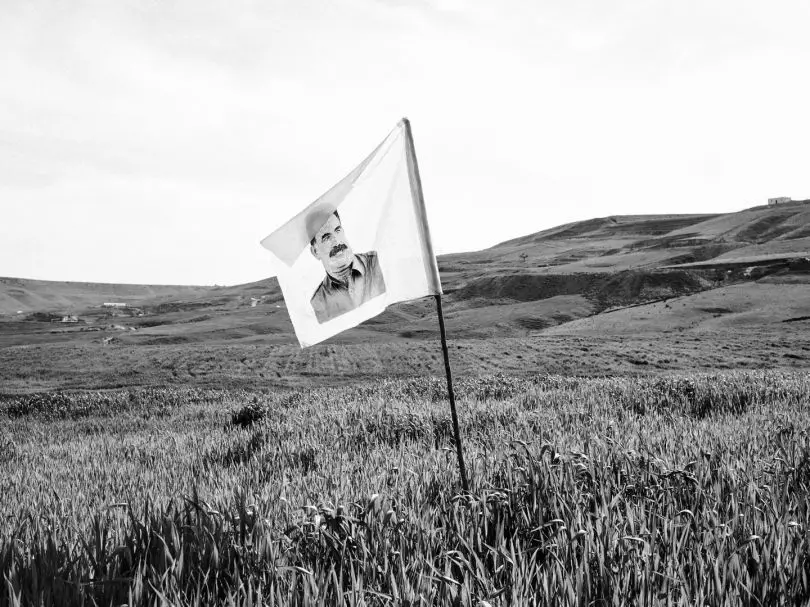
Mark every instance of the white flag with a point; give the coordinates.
(360, 247)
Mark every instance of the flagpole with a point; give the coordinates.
(451, 395)
(416, 189)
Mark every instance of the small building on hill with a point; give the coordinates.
(778, 200)
(65, 318)
(112, 304)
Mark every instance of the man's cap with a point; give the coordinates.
(317, 219)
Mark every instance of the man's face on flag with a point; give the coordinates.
(331, 247)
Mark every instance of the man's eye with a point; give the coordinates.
(338, 229)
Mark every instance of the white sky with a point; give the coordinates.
(157, 141)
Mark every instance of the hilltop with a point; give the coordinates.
(639, 277)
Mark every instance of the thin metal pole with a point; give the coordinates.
(432, 271)
(452, 396)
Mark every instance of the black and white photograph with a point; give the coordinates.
(404, 302)
(351, 279)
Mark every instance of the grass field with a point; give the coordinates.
(592, 347)
(687, 489)
(183, 450)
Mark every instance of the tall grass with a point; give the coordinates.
(678, 490)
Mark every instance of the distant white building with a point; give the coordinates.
(779, 200)
(114, 305)
(70, 318)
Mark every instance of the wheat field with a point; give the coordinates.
(688, 489)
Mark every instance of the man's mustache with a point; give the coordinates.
(337, 249)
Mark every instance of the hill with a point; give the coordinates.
(643, 278)
(23, 295)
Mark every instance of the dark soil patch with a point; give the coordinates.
(532, 323)
(765, 228)
(717, 310)
(526, 287)
(630, 287)
(182, 306)
(152, 322)
(196, 319)
(167, 340)
(605, 289)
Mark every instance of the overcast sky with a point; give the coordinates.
(158, 141)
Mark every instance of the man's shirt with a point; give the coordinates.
(334, 297)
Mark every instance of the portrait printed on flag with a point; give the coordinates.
(360, 247)
(351, 279)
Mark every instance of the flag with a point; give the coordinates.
(360, 247)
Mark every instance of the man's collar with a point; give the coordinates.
(357, 266)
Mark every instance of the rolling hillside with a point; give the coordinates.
(24, 295)
(651, 278)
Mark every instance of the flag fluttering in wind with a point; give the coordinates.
(360, 247)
